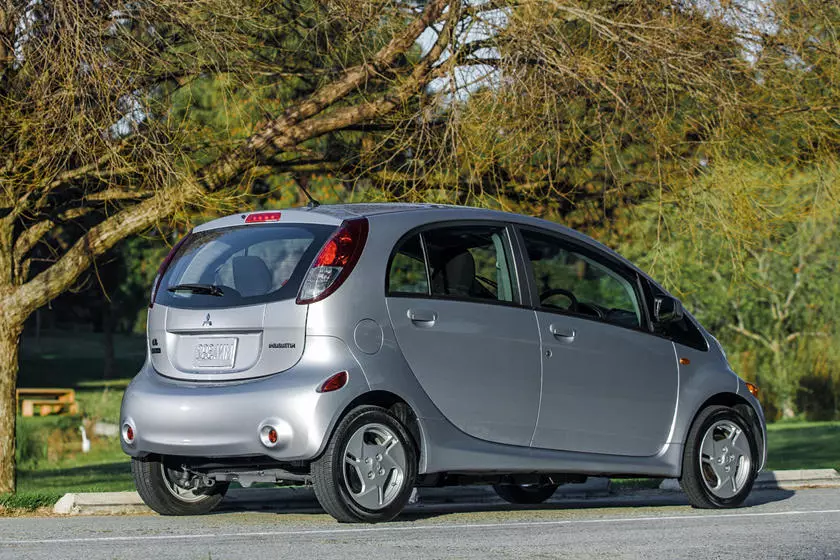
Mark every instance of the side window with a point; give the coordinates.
(407, 274)
(572, 282)
(469, 262)
(683, 331)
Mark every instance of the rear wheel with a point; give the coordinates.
(525, 493)
(368, 470)
(163, 490)
(719, 462)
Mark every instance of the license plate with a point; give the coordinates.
(214, 352)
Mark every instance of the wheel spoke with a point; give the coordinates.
(709, 448)
(740, 445)
(394, 458)
(355, 449)
(370, 496)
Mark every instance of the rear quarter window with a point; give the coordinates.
(407, 271)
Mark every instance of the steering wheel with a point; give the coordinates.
(573, 305)
(591, 310)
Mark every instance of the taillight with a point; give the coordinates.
(163, 266)
(334, 262)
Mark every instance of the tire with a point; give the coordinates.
(531, 495)
(720, 460)
(165, 497)
(369, 444)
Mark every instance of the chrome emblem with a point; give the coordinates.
(207, 322)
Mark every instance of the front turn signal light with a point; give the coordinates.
(753, 389)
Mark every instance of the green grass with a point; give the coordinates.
(73, 360)
(28, 501)
(803, 445)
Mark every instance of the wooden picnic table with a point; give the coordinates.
(46, 401)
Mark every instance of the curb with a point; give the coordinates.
(780, 480)
(303, 498)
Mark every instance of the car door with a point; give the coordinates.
(458, 319)
(608, 384)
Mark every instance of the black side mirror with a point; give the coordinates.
(667, 310)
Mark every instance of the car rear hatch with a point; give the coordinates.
(224, 305)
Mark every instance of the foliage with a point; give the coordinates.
(751, 248)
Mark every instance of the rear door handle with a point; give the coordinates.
(424, 317)
(562, 333)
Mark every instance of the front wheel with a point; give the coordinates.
(161, 489)
(719, 461)
(368, 470)
(525, 493)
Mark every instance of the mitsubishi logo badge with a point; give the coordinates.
(207, 322)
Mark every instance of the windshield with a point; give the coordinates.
(243, 265)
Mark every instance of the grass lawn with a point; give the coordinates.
(72, 360)
(803, 445)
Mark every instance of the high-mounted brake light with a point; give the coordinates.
(334, 262)
(262, 217)
(163, 266)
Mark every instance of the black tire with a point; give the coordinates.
(693, 482)
(329, 475)
(153, 487)
(531, 495)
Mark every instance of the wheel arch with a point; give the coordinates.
(738, 403)
(399, 407)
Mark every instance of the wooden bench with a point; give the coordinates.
(46, 401)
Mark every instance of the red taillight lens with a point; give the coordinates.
(163, 266)
(334, 383)
(261, 217)
(334, 262)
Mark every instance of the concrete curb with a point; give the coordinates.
(781, 480)
(303, 498)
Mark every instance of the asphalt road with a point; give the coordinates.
(776, 524)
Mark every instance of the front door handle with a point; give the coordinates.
(562, 333)
(425, 317)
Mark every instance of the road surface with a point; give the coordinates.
(651, 525)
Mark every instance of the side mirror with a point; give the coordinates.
(667, 310)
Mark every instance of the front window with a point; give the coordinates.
(570, 281)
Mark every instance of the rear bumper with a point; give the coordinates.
(200, 419)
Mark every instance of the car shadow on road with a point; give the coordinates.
(268, 501)
(644, 499)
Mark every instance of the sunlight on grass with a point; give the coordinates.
(806, 445)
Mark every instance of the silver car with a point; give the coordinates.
(370, 349)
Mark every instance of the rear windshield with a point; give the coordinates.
(243, 265)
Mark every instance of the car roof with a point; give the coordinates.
(334, 214)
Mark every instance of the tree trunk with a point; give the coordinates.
(10, 330)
